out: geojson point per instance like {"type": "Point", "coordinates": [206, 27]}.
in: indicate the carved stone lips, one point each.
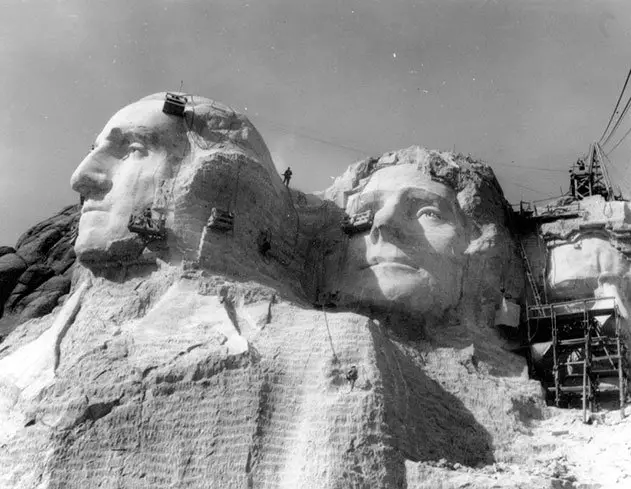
{"type": "Point", "coordinates": [380, 261]}
{"type": "Point", "coordinates": [91, 208]}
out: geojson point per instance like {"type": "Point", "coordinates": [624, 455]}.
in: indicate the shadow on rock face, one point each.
{"type": "Point", "coordinates": [426, 422]}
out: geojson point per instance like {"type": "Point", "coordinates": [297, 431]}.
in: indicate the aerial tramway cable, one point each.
{"type": "Point", "coordinates": [617, 124]}
{"type": "Point", "coordinates": [619, 142]}
{"type": "Point", "coordinates": [616, 107]}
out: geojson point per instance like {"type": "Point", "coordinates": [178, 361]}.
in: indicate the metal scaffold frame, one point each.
{"type": "Point", "coordinates": [582, 349]}
{"type": "Point", "coordinates": [590, 177]}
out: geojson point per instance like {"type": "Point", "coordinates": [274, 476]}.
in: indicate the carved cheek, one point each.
{"type": "Point", "coordinates": [135, 179]}
{"type": "Point", "coordinates": [443, 239]}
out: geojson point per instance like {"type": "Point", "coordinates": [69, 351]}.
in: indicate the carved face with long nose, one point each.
{"type": "Point", "coordinates": [412, 259]}
{"type": "Point", "coordinates": [139, 148]}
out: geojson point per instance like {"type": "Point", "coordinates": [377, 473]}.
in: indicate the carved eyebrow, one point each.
{"type": "Point", "coordinates": [139, 134]}
{"type": "Point", "coordinates": [429, 197]}
{"type": "Point", "coordinates": [142, 134]}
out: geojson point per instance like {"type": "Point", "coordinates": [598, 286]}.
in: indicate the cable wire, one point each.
{"type": "Point", "coordinates": [615, 127]}
{"type": "Point", "coordinates": [306, 136]}
{"type": "Point", "coordinates": [527, 188]}
{"type": "Point", "coordinates": [618, 143]}
{"type": "Point", "coordinates": [616, 107]}
{"type": "Point", "coordinates": [539, 168]}
{"type": "Point", "coordinates": [621, 177]}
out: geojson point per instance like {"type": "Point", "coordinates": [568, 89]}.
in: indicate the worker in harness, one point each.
{"type": "Point", "coordinates": [352, 375]}
{"type": "Point", "coordinates": [147, 216]}
{"type": "Point", "coordinates": [287, 176]}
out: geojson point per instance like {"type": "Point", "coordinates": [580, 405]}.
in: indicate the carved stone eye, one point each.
{"type": "Point", "coordinates": [138, 148]}
{"type": "Point", "coordinates": [430, 213]}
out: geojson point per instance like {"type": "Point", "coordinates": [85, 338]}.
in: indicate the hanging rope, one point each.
{"type": "Point", "coordinates": [236, 188]}
{"type": "Point", "coordinates": [328, 331]}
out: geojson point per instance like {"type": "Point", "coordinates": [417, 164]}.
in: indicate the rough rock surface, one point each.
{"type": "Point", "coordinates": [250, 390]}
{"type": "Point", "coordinates": [43, 253]}
{"type": "Point", "coordinates": [215, 370]}
{"type": "Point", "coordinates": [11, 267]}
{"type": "Point", "coordinates": [584, 251]}
{"type": "Point", "coordinates": [4, 250]}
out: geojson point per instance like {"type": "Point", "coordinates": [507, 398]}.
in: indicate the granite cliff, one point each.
{"type": "Point", "coordinates": [204, 359]}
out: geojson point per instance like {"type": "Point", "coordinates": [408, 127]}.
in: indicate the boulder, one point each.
{"type": "Point", "coordinates": [43, 251]}
{"type": "Point", "coordinates": [64, 220]}
{"type": "Point", "coordinates": [32, 278]}
{"type": "Point", "coordinates": [55, 284]}
{"type": "Point", "coordinates": [34, 250]}
{"type": "Point", "coordinates": [11, 267]}
{"type": "Point", "coordinates": [44, 299]}
{"type": "Point", "coordinates": [35, 275]}
{"type": "Point", "coordinates": [5, 250]}
{"type": "Point", "coordinates": [39, 305]}
{"type": "Point", "coordinates": [62, 256]}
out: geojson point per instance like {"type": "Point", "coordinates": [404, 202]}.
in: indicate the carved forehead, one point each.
{"type": "Point", "coordinates": [143, 118]}
{"type": "Point", "coordinates": [399, 177]}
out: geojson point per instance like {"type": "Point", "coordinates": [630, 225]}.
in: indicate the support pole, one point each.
{"type": "Point", "coordinates": [555, 357]}
{"type": "Point", "coordinates": [585, 386]}
{"type": "Point", "coordinates": [620, 373]}
{"type": "Point", "coordinates": [588, 395]}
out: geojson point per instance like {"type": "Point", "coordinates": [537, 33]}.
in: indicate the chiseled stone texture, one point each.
{"type": "Point", "coordinates": [221, 373]}
{"type": "Point", "coordinates": [586, 253]}
{"type": "Point", "coordinates": [193, 382]}
{"type": "Point", "coordinates": [441, 213]}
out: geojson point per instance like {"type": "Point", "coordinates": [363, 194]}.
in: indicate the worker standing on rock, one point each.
{"type": "Point", "coordinates": [287, 176]}
{"type": "Point", "coordinates": [352, 375]}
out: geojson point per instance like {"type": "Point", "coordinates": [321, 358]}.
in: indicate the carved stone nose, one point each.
{"type": "Point", "coordinates": [91, 176]}
{"type": "Point", "coordinates": [388, 219]}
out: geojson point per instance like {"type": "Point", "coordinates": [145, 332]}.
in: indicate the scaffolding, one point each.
{"type": "Point", "coordinates": [587, 350]}
{"type": "Point", "coordinates": [591, 177]}
{"type": "Point", "coordinates": [531, 279]}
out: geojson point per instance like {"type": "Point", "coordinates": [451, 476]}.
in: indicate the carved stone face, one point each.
{"type": "Point", "coordinates": [590, 266]}
{"type": "Point", "coordinates": [576, 269]}
{"type": "Point", "coordinates": [138, 148]}
{"type": "Point", "coordinates": [413, 257]}
{"type": "Point", "coordinates": [586, 257]}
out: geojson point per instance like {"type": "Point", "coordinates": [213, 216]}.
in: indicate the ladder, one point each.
{"type": "Point", "coordinates": [531, 279]}
{"type": "Point", "coordinates": [597, 355]}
